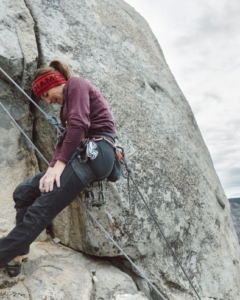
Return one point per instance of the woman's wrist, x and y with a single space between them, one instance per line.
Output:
60 163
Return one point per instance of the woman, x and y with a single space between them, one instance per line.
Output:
87 120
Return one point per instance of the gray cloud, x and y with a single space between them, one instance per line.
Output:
230 180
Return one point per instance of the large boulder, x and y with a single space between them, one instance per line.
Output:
111 45
56 272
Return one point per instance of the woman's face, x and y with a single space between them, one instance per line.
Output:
54 95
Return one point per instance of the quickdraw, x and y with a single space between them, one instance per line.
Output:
90 199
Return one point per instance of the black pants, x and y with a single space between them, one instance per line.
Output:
36 210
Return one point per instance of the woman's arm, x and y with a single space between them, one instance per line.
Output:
77 106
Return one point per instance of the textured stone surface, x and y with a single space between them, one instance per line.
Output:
18 52
57 272
110 44
18 48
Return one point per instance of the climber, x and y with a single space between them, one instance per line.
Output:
84 154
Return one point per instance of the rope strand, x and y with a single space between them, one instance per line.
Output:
38 151
158 226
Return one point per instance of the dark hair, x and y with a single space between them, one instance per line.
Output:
55 65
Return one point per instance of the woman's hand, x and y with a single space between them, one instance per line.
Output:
52 175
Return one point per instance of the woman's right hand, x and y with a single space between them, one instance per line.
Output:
42 187
47 181
52 175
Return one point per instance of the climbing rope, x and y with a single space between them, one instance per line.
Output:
54 122
38 151
108 237
90 214
129 175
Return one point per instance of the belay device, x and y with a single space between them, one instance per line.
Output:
120 162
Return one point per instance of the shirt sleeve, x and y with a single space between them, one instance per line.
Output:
55 155
77 101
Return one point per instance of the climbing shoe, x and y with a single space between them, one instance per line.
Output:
14 268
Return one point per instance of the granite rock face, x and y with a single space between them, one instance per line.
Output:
18 58
111 45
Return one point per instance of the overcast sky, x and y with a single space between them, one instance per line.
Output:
201 43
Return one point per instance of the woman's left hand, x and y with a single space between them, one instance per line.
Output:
52 175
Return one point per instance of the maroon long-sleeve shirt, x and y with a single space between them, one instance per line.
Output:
84 111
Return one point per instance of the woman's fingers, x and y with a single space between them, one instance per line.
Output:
46 183
51 184
41 184
58 181
52 175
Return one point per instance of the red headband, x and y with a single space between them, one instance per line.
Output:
47 81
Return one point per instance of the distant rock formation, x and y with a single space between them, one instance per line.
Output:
111 45
235 210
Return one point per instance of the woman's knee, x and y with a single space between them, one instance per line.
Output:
18 192
28 190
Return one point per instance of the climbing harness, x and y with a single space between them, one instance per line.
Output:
88 192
